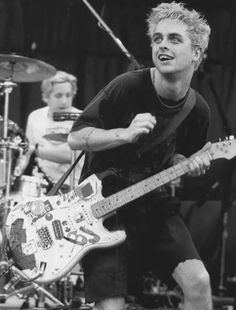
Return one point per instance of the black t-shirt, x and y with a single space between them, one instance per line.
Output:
116 105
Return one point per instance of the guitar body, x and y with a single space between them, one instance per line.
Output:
48 236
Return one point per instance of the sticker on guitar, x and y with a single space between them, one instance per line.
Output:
49 235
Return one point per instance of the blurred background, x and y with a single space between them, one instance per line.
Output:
66 35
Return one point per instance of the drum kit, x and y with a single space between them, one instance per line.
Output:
18 69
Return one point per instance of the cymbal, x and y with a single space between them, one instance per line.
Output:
59 137
24 69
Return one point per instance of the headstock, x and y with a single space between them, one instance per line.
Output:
223 149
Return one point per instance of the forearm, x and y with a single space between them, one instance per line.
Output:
59 154
96 139
21 163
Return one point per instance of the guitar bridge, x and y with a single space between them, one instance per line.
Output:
45 237
57 228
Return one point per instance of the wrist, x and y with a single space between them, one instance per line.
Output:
121 135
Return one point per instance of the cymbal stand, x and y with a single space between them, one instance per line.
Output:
6 162
7 87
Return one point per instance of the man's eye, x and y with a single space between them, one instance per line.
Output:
58 96
69 95
156 39
176 40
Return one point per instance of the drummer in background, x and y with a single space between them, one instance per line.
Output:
47 137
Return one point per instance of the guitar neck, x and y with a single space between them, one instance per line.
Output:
117 200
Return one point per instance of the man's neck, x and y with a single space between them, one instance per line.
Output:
172 87
50 113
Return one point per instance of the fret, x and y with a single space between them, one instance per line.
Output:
117 200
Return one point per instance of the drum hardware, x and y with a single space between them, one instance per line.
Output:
7 152
23 69
65 116
12 145
66 289
7 87
18 276
29 187
15 141
7 147
14 68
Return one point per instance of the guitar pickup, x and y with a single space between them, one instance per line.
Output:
57 228
45 237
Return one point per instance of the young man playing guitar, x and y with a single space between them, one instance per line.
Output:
128 130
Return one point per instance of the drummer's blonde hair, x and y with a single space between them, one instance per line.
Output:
59 77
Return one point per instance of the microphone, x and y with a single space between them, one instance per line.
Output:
65 116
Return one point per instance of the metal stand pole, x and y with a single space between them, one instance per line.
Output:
42 292
72 175
224 237
105 27
7 152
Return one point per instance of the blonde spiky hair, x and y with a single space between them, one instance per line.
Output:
198 28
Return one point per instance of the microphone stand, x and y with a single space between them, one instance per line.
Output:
72 175
105 27
59 183
71 171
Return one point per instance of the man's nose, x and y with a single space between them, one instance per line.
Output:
64 98
63 102
163 44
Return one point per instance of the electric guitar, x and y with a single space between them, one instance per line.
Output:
49 235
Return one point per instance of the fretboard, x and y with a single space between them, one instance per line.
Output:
121 198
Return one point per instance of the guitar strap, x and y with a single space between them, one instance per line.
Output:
172 124
170 127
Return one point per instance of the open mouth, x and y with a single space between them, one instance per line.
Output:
165 57
63 108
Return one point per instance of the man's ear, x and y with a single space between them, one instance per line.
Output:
197 54
45 99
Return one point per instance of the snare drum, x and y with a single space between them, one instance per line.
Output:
29 187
